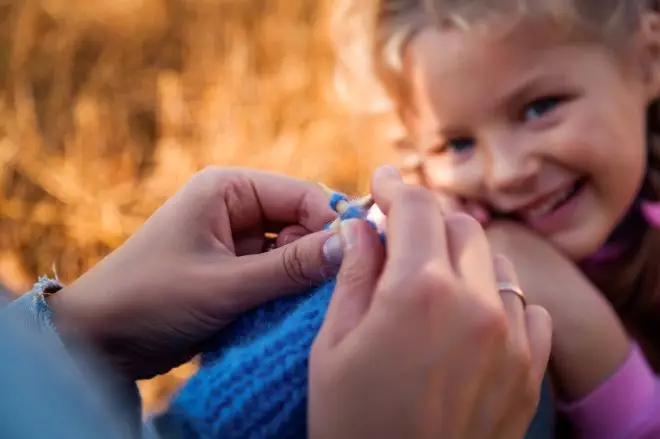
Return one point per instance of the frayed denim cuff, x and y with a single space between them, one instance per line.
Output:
32 308
32 311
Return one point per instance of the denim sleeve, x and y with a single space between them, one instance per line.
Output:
58 389
31 310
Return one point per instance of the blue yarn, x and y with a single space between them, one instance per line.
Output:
252 383
335 198
353 212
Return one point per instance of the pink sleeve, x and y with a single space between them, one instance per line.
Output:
626 406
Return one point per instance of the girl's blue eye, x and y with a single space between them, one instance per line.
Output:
541 107
461 144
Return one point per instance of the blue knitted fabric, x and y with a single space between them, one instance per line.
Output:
252 383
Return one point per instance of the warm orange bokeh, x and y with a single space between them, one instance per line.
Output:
107 107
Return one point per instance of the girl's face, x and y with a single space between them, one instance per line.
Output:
551 133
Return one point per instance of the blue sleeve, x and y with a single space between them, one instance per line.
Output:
58 389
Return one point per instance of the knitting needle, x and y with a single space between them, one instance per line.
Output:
364 202
341 206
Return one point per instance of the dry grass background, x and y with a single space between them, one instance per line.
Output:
108 106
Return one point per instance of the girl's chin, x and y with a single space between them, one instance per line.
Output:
583 246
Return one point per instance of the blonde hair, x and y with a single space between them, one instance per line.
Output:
377 40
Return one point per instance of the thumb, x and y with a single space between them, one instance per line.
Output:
363 257
287 270
385 184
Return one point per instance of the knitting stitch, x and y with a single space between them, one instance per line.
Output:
252 383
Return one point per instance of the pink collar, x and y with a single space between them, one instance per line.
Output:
649 211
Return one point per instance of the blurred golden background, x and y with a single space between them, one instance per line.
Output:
107 107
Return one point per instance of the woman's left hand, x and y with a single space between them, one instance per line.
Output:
589 340
195 265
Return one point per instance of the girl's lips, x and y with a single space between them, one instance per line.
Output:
555 215
548 202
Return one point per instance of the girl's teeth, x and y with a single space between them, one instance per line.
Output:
548 207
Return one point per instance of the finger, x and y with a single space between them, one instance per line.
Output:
252 197
470 255
448 204
292 201
415 226
539 334
383 184
249 242
254 240
504 385
519 416
290 234
363 257
505 274
284 271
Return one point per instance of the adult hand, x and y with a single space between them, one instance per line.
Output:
417 342
196 264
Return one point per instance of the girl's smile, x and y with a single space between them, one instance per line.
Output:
551 211
549 131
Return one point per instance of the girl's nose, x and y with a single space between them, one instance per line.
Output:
511 168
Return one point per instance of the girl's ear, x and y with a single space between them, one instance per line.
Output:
650 41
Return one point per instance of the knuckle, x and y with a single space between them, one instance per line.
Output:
426 286
234 187
433 277
211 180
490 325
292 261
213 175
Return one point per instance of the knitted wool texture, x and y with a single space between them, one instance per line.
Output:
252 383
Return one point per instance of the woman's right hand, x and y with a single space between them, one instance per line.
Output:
417 342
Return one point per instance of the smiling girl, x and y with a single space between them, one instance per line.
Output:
543 114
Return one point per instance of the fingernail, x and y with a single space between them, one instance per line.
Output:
377 217
333 251
387 171
349 232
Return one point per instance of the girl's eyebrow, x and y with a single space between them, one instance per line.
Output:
439 134
528 88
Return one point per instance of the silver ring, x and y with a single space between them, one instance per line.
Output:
509 287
